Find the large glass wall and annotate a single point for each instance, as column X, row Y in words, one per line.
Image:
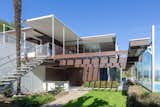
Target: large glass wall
column 143, row 69
column 157, row 59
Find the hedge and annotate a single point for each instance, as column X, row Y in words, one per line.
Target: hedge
column 139, row 97
column 102, row 84
column 33, row 100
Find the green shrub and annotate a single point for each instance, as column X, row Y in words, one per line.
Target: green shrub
column 33, row 100
column 102, row 84
column 139, row 97
column 8, row 91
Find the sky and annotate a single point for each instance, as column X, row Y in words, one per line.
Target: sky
column 129, row 19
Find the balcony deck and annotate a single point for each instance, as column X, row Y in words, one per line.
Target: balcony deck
column 89, row 55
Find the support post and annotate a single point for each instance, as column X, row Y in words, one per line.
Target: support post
column 108, row 72
column 24, row 43
column 53, row 44
column 4, row 31
column 77, row 45
column 153, row 58
column 63, row 40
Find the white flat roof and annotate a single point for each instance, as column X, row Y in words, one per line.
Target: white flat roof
column 140, row 39
column 44, row 24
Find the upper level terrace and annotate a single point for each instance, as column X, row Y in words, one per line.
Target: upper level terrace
column 57, row 41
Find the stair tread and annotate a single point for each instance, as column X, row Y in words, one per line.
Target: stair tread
column 16, row 73
column 7, row 79
column 5, row 83
column 25, row 67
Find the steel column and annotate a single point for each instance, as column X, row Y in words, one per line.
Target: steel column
column 153, row 57
column 63, row 40
column 4, row 31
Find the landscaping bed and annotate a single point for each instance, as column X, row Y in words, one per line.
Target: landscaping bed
column 34, row 100
column 99, row 98
column 27, row 100
column 140, row 97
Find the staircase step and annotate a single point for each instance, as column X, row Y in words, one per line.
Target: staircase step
column 30, row 66
column 7, row 80
column 21, row 70
column 11, row 77
column 4, row 83
column 17, row 74
column 23, row 67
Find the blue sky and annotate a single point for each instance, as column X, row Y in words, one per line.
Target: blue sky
column 129, row 19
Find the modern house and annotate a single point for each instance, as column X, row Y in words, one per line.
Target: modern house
column 52, row 54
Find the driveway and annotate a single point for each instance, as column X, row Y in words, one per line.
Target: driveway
column 59, row 102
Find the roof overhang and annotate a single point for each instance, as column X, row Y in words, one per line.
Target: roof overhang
column 47, row 26
column 50, row 25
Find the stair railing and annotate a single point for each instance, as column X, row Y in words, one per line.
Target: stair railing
column 8, row 63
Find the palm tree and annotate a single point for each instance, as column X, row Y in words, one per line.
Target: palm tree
column 17, row 19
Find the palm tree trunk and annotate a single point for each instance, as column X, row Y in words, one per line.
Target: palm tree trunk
column 17, row 18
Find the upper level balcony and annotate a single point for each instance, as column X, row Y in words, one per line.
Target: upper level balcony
column 62, row 40
column 48, row 36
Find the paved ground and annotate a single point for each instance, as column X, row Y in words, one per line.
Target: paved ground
column 73, row 94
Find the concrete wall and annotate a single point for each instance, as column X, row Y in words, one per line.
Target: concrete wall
column 34, row 81
column 6, row 64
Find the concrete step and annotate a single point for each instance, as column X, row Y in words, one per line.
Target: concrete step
column 23, row 67
column 5, row 83
column 7, row 80
column 17, row 73
column 29, row 65
column 11, row 77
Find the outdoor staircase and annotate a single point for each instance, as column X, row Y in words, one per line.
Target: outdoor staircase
column 26, row 67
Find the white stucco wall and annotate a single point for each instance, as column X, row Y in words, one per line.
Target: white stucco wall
column 7, row 49
column 33, row 82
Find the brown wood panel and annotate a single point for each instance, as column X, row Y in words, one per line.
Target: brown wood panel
column 95, row 74
column 113, row 60
column 104, row 60
column 85, row 73
column 78, row 61
column 62, row 62
column 89, row 55
column 90, row 73
column 86, row 61
column 102, row 65
column 70, row 62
